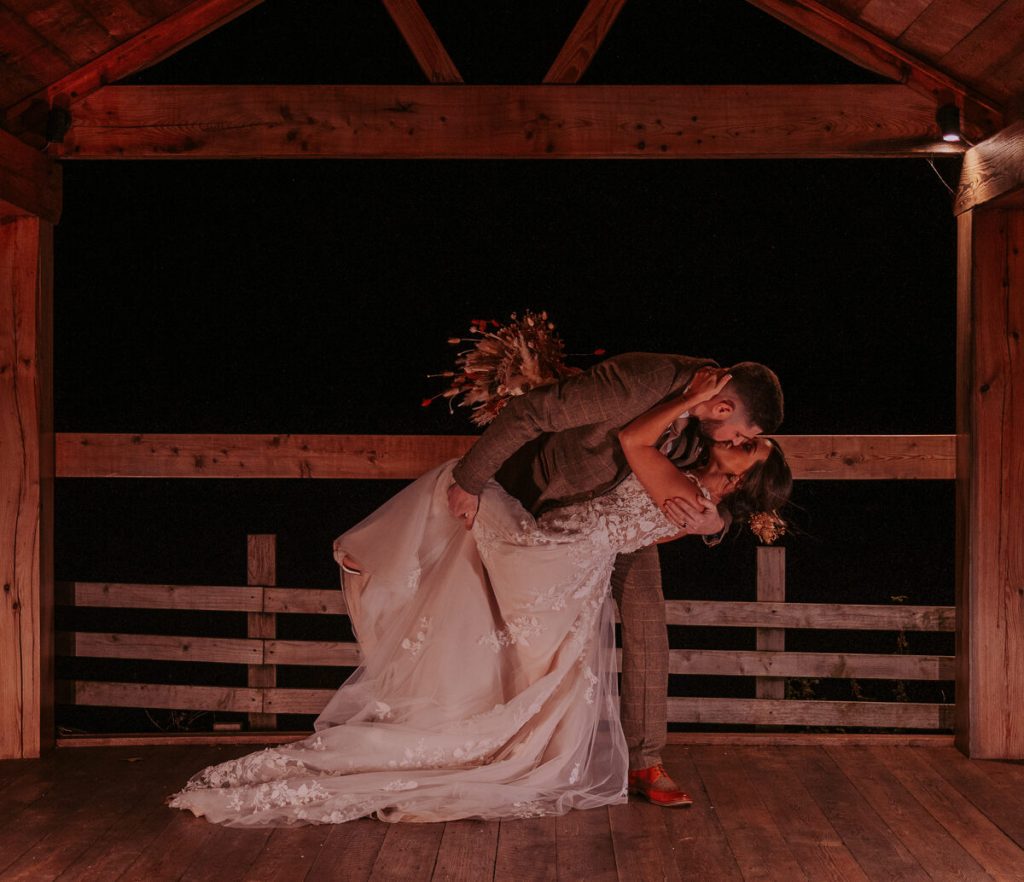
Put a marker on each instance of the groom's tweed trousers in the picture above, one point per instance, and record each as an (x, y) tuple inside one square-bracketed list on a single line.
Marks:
[(558, 444)]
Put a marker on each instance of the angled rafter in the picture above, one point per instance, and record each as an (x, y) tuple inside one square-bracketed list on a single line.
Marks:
[(168, 36), (584, 41), (992, 169), (423, 40), (30, 182), (503, 122), (982, 115)]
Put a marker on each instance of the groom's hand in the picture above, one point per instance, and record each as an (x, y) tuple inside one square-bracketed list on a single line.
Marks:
[(463, 505), (699, 518)]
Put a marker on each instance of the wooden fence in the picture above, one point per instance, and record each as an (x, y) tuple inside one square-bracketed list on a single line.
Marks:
[(262, 652)]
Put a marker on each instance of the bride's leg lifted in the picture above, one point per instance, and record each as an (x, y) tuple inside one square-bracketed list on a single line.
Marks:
[(636, 587)]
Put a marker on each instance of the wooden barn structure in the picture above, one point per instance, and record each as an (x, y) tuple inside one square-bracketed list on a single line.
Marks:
[(958, 61)]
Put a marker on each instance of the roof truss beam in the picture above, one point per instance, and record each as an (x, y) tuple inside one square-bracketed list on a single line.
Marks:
[(981, 115), (145, 49), (544, 121), (992, 169), (584, 41), (422, 39)]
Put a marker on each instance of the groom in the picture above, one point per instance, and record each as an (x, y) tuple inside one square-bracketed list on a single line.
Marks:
[(558, 445)]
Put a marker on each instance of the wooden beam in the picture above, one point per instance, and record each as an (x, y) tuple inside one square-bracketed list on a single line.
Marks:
[(422, 39), (26, 487), (100, 455), (188, 24), (982, 115), (261, 566), (761, 711), (584, 41), (823, 616), (990, 485), (30, 182), (543, 122), (992, 169)]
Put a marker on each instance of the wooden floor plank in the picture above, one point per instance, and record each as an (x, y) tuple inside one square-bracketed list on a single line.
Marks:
[(289, 854), (938, 853), (701, 848), (408, 853), (227, 855), (757, 844), (527, 851), (349, 852), (1000, 856), (998, 796), (128, 781), (117, 848), (43, 804), (644, 851), (877, 849), (813, 841), (584, 843), (467, 851)]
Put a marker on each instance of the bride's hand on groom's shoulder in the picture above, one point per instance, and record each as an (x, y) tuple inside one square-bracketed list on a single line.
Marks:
[(697, 518), (462, 504), (706, 384)]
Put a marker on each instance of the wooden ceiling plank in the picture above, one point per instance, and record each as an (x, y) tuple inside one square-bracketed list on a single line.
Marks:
[(30, 182), (168, 36), (423, 41), (27, 50), (992, 169), (539, 121), (944, 24), (14, 82), (121, 20), (65, 25), (865, 48), (584, 41), (890, 18), (992, 43)]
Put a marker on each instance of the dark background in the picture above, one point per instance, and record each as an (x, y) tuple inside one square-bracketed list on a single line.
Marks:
[(315, 297)]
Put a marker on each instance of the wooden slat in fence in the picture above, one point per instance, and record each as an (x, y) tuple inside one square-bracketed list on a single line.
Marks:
[(158, 647), (313, 652), (716, 613), (826, 616), (757, 711), (103, 455), (159, 695), (839, 665), (129, 596)]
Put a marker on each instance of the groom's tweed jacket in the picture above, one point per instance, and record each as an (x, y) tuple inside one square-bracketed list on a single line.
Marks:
[(558, 444)]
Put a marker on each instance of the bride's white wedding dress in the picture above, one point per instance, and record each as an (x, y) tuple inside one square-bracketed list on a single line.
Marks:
[(488, 688)]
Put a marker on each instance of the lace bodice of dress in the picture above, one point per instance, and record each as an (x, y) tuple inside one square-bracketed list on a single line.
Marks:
[(625, 518)]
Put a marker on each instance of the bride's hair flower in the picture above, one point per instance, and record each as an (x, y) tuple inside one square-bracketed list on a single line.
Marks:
[(767, 526)]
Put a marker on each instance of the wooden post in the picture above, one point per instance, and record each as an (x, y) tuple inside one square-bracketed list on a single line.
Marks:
[(26, 486), (990, 482), (771, 587), (262, 567)]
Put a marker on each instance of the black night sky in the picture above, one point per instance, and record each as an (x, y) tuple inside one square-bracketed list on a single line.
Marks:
[(314, 297)]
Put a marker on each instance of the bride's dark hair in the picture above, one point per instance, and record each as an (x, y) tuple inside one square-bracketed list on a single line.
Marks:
[(765, 487)]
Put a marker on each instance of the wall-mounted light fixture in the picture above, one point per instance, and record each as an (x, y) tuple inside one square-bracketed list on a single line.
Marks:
[(948, 118)]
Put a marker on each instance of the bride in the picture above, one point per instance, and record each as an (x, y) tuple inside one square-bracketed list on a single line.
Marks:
[(488, 687)]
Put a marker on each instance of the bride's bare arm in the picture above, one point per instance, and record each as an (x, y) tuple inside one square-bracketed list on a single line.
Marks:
[(655, 471)]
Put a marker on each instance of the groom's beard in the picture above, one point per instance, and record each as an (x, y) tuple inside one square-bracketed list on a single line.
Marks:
[(708, 427)]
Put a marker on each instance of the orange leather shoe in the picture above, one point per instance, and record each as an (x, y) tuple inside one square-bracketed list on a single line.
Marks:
[(655, 785)]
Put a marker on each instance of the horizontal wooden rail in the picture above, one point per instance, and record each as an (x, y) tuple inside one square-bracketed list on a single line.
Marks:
[(704, 613), (824, 616), (102, 455), (716, 662), (735, 711), (766, 712)]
